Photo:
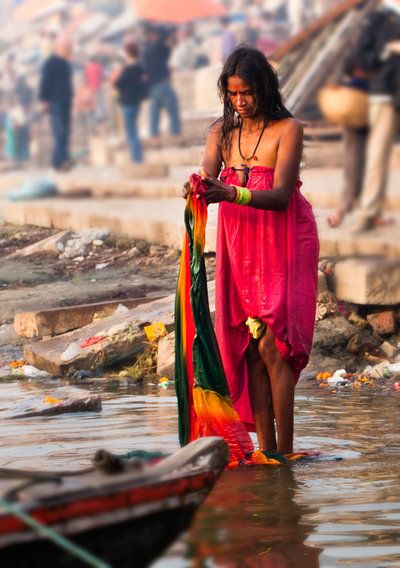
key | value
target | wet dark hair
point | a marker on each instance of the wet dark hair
(252, 66)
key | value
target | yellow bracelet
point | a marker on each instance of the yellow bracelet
(243, 195)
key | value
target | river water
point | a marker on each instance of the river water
(324, 513)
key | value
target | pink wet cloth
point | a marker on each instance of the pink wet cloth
(267, 267)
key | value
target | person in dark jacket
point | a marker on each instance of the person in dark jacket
(56, 94)
(378, 55)
(156, 54)
(132, 88)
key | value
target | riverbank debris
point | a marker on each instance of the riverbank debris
(61, 400)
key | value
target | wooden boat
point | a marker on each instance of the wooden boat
(126, 518)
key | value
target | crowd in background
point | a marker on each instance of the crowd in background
(108, 85)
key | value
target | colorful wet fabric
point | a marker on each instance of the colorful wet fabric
(204, 399)
(204, 403)
(267, 263)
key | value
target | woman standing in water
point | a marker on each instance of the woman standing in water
(267, 248)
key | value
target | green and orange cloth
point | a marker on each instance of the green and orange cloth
(204, 403)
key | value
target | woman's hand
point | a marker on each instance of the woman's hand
(217, 190)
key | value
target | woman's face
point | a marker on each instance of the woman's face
(241, 97)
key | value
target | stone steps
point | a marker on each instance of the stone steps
(161, 221)
(339, 242)
(148, 219)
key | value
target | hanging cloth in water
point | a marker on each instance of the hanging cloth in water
(204, 403)
(205, 407)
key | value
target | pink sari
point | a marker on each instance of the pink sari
(267, 263)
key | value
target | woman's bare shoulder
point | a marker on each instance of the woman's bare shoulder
(215, 128)
(290, 127)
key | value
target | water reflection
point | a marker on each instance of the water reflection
(326, 514)
(253, 519)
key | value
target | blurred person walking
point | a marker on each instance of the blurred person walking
(184, 53)
(354, 145)
(156, 55)
(378, 55)
(56, 94)
(94, 74)
(228, 39)
(132, 87)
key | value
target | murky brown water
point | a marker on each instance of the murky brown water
(324, 513)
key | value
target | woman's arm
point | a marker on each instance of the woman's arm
(212, 160)
(287, 167)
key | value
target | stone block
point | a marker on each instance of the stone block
(124, 339)
(166, 356)
(332, 332)
(328, 246)
(383, 323)
(52, 245)
(367, 281)
(60, 320)
(388, 349)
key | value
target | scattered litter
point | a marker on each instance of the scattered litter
(15, 364)
(59, 401)
(155, 331)
(92, 340)
(34, 373)
(79, 375)
(97, 242)
(380, 371)
(33, 189)
(338, 382)
(101, 265)
(72, 351)
(79, 258)
(52, 400)
(164, 382)
(394, 368)
(397, 386)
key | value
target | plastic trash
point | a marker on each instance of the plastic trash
(34, 373)
(101, 265)
(155, 331)
(80, 375)
(394, 368)
(339, 373)
(72, 351)
(92, 340)
(338, 381)
(33, 189)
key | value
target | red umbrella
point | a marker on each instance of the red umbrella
(177, 11)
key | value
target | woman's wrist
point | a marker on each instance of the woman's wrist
(243, 195)
(232, 194)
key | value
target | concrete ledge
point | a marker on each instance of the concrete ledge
(366, 281)
(159, 222)
(61, 320)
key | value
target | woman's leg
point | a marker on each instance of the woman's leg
(261, 398)
(282, 388)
